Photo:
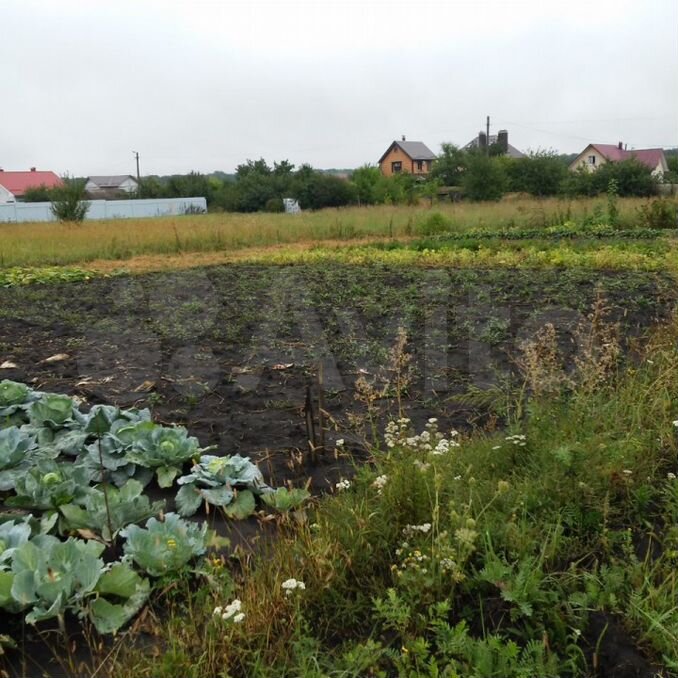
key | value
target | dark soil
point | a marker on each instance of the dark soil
(230, 352)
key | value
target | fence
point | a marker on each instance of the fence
(105, 209)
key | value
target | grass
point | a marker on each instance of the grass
(60, 244)
(545, 549)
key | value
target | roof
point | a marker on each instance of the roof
(416, 150)
(512, 151)
(651, 157)
(112, 181)
(18, 182)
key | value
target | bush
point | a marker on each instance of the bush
(274, 205)
(433, 224)
(68, 200)
(485, 178)
(660, 213)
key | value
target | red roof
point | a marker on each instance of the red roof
(648, 156)
(18, 182)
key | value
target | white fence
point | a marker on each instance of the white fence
(106, 209)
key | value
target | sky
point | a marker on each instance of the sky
(204, 85)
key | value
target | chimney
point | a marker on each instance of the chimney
(620, 146)
(502, 141)
(403, 138)
(482, 140)
(32, 169)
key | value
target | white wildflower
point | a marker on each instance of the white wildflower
(340, 442)
(238, 617)
(290, 585)
(217, 611)
(379, 483)
(424, 528)
(671, 476)
(231, 609)
(342, 485)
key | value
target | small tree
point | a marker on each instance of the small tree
(485, 178)
(68, 200)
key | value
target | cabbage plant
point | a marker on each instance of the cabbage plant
(164, 545)
(162, 449)
(14, 397)
(216, 480)
(15, 446)
(48, 485)
(51, 577)
(52, 411)
(107, 513)
(13, 533)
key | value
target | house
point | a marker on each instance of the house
(501, 141)
(13, 185)
(111, 185)
(410, 157)
(595, 155)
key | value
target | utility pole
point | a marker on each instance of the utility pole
(136, 155)
(487, 146)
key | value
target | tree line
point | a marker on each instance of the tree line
(257, 186)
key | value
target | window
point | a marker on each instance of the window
(592, 159)
(420, 165)
(396, 167)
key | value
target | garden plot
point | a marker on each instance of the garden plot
(297, 368)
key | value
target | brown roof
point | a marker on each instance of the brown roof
(416, 150)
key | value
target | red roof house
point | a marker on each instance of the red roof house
(595, 155)
(18, 182)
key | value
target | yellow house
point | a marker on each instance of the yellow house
(411, 157)
(596, 155)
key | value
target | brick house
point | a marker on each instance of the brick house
(410, 157)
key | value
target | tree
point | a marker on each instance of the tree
(484, 178)
(68, 200)
(365, 179)
(632, 177)
(448, 169)
(541, 173)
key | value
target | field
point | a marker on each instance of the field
(48, 244)
(480, 404)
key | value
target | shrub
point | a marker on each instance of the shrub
(659, 213)
(433, 224)
(274, 205)
(485, 178)
(68, 200)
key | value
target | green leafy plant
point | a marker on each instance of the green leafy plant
(164, 546)
(51, 576)
(49, 484)
(100, 513)
(216, 480)
(52, 410)
(15, 445)
(13, 396)
(284, 500)
(160, 448)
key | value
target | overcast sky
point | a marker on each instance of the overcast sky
(198, 85)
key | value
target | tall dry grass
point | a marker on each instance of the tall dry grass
(50, 243)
